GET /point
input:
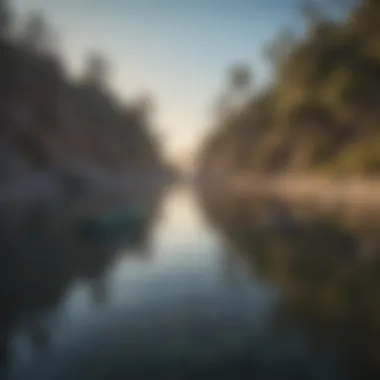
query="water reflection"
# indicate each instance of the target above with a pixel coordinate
(233, 288)
(327, 271)
(44, 251)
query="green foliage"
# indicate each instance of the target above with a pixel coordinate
(331, 80)
(362, 157)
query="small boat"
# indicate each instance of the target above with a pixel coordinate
(112, 223)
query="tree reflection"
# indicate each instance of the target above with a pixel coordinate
(41, 256)
(327, 271)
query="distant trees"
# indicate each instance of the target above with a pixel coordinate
(144, 107)
(36, 33)
(97, 69)
(5, 18)
(313, 12)
(240, 81)
(325, 85)
(238, 89)
(46, 112)
(279, 48)
(240, 77)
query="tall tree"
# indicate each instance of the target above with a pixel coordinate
(240, 82)
(97, 69)
(312, 11)
(4, 18)
(144, 106)
(36, 33)
(280, 47)
(240, 77)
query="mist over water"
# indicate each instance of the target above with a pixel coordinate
(202, 294)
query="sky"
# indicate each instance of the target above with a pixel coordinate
(179, 51)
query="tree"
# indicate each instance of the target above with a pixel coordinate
(240, 80)
(280, 47)
(144, 106)
(222, 108)
(240, 77)
(312, 12)
(97, 69)
(4, 18)
(36, 33)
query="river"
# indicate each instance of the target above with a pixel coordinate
(209, 287)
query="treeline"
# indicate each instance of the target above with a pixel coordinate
(321, 111)
(50, 120)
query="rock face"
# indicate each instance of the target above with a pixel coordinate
(51, 123)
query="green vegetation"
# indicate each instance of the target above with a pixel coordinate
(321, 111)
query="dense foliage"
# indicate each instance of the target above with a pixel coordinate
(321, 111)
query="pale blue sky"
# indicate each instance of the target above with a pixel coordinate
(179, 50)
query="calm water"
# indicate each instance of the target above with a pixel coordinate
(205, 287)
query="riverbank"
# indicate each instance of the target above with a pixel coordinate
(60, 198)
(329, 190)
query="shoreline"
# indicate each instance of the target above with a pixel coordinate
(349, 190)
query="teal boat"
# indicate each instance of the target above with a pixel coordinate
(112, 223)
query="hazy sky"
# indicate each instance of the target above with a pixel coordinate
(179, 50)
